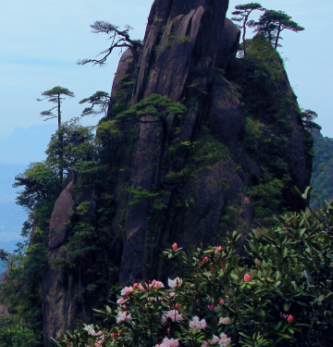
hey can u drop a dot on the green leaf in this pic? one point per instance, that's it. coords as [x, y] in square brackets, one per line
[321, 298]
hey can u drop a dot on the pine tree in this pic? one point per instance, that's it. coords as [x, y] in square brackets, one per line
[272, 23]
[54, 95]
[242, 14]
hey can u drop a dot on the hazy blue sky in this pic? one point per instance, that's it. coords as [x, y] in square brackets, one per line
[42, 40]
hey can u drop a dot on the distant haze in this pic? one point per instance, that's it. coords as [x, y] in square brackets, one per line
[26, 145]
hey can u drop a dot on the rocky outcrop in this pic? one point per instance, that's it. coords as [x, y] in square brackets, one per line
[4, 276]
[181, 38]
[4, 308]
[58, 287]
[188, 47]
[186, 179]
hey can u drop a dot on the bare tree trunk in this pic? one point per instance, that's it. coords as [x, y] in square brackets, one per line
[161, 154]
[61, 140]
[277, 37]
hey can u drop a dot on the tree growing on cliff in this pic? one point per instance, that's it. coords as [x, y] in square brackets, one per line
[55, 96]
[40, 186]
[77, 146]
[272, 23]
[100, 100]
[119, 39]
[242, 15]
[156, 109]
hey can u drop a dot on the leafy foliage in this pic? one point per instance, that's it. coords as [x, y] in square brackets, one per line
[40, 184]
[14, 332]
[261, 81]
[76, 146]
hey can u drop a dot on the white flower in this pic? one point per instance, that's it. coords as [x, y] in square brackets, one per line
[90, 330]
[224, 320]
[122, 315]
[224, 340]
[174, 315]
[196, 324]
[177, 282]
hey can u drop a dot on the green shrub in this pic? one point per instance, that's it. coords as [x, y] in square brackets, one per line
[14, 332]
[274, 290]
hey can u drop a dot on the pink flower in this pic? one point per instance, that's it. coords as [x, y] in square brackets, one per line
[221, 302]
[172, 294]
[168, 343]
[143, 288]
[205, 259]
[247, 277]
[121, 301]
[224, 340]
[175, 246]
[156, 284]
[127, 291]
[100, 341]
[219, 248]
[290, 318]
[135, 285]
[197, 324]
[177, 282]
[174, 315]
[215, 340]
[121, 316]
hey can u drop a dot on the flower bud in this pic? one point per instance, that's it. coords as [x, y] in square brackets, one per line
[290, 318]
[205, 259]
[175, 246]
[114, 336]
[221, 302]
[135, 285]
[247, 278]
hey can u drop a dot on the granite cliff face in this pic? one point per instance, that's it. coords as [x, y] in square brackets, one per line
[189, 178]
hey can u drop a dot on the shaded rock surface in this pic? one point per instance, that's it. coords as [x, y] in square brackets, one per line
[58, 288]
[4, 276]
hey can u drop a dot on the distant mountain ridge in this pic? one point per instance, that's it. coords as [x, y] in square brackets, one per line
[322, 169]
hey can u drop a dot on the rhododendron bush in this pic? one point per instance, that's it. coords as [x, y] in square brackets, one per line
[272, 289]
